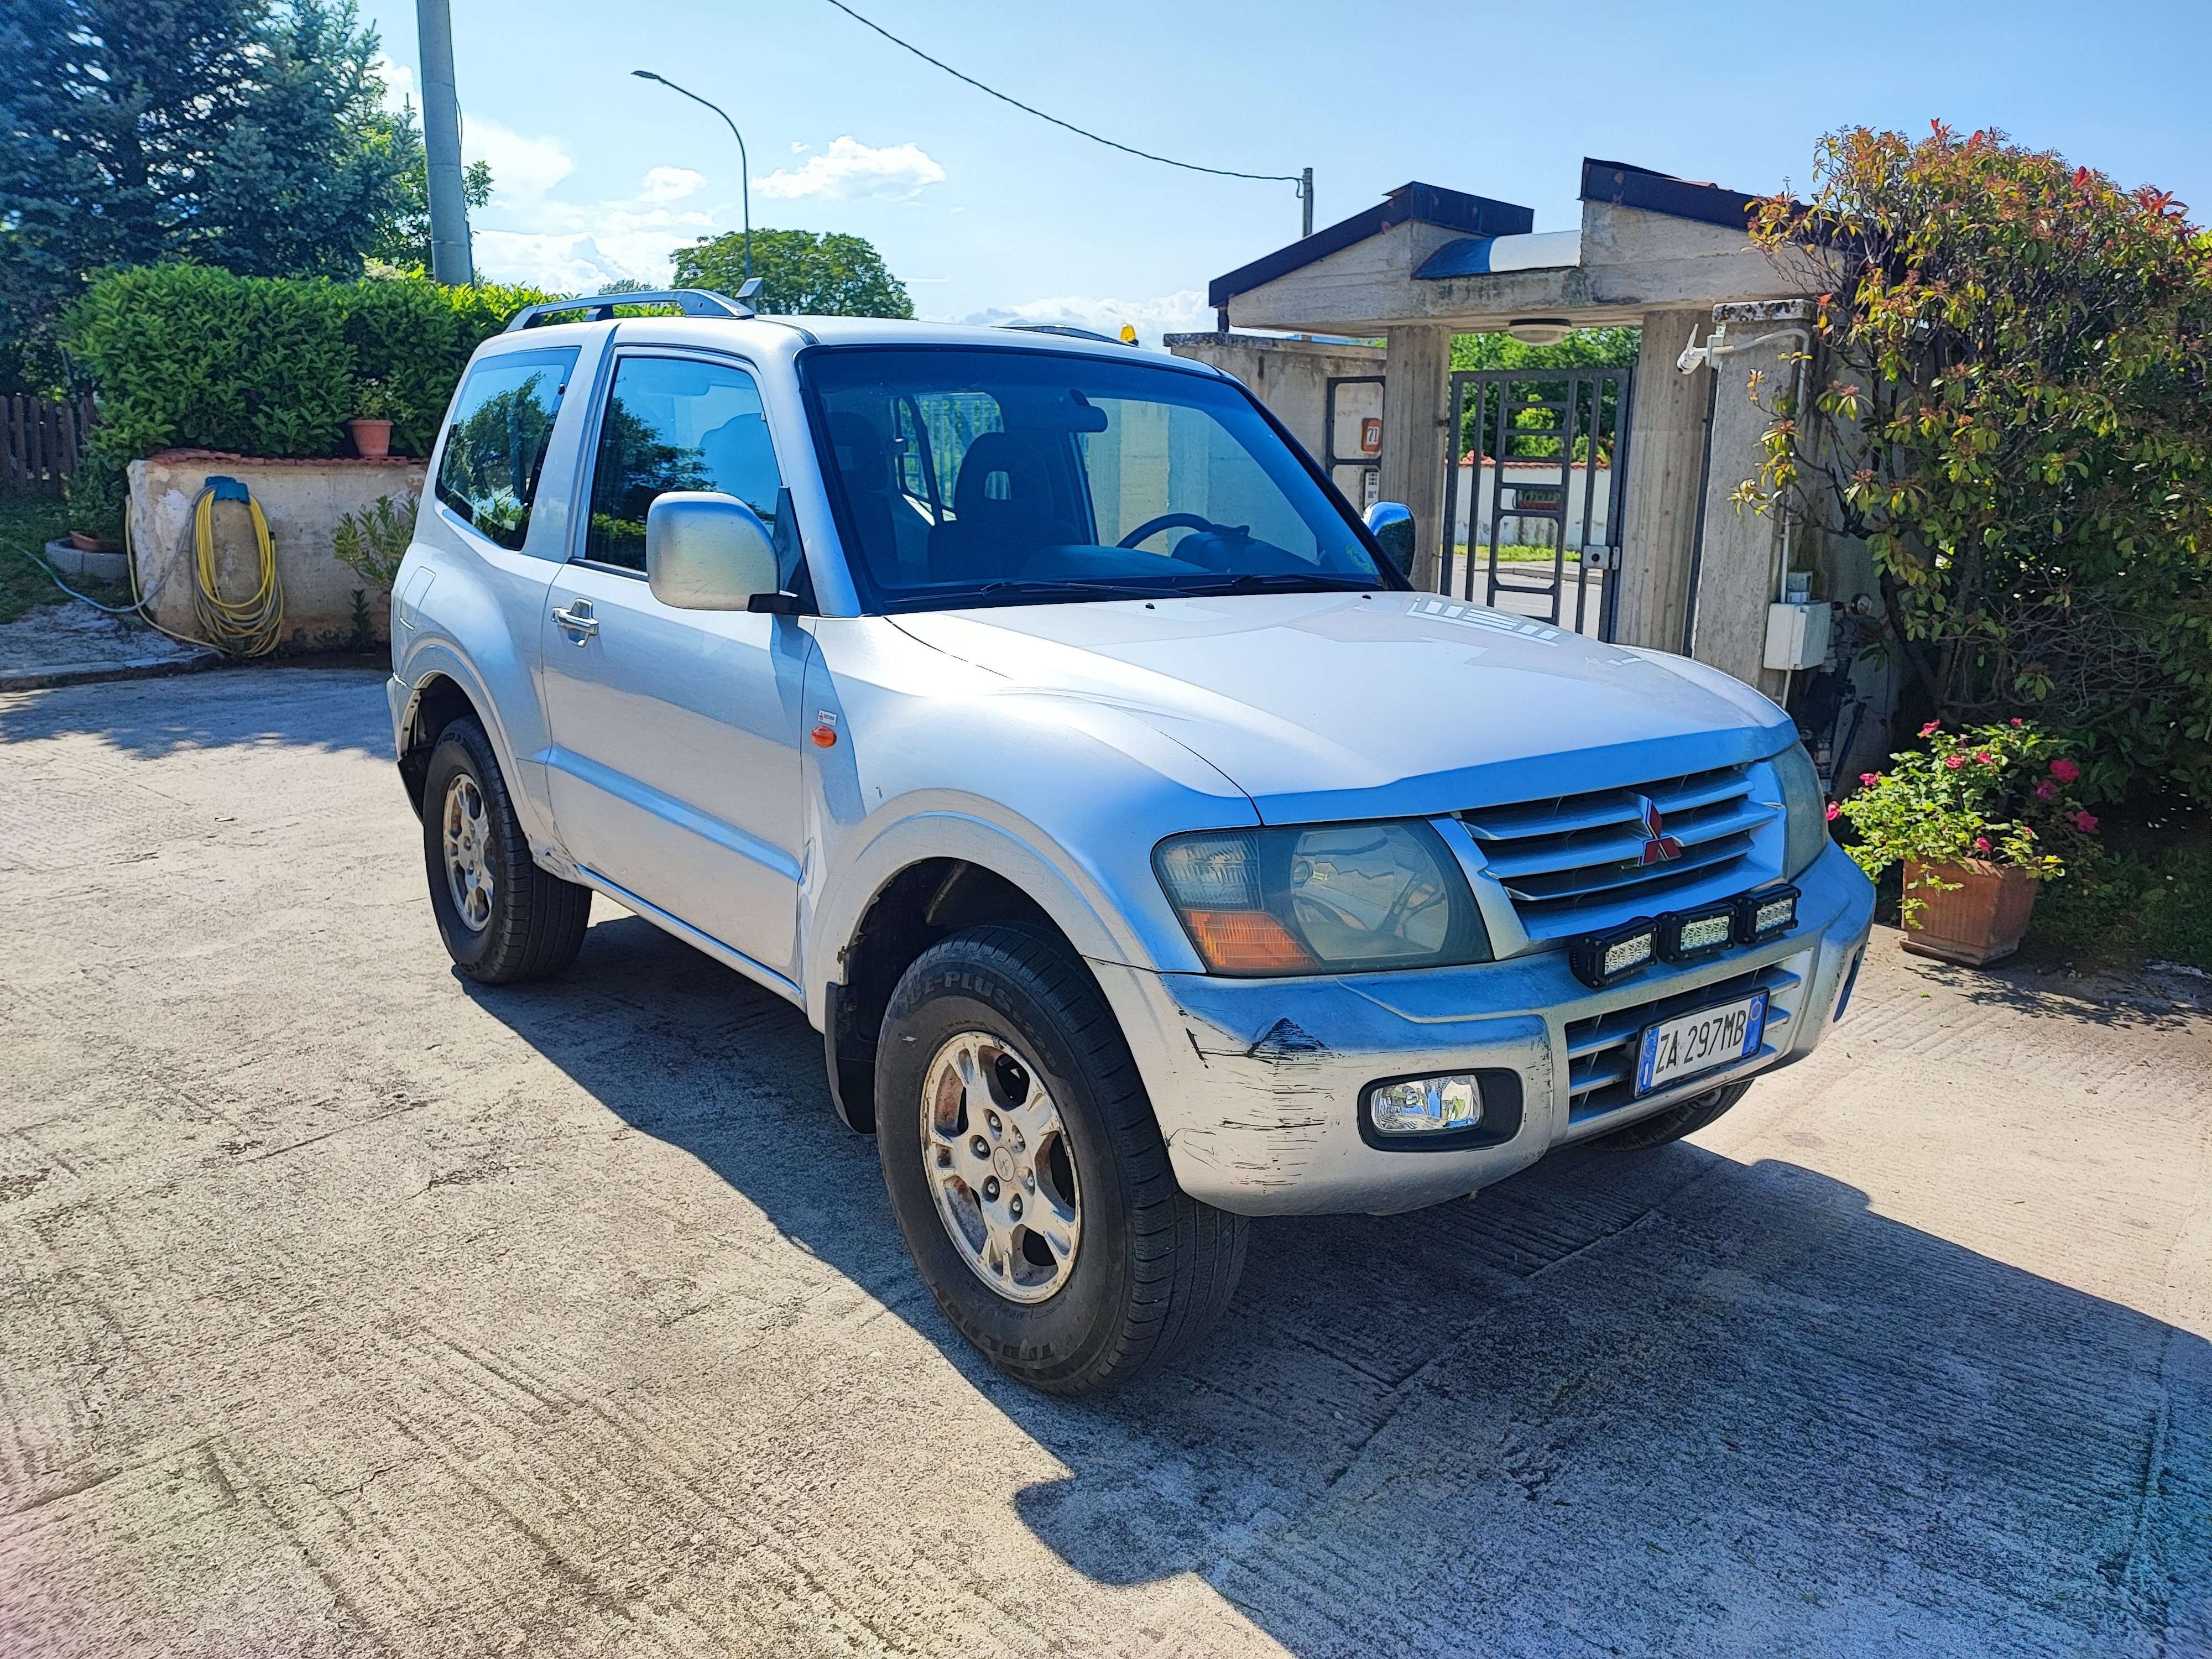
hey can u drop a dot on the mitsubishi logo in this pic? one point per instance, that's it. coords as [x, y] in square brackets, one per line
[1659, 846]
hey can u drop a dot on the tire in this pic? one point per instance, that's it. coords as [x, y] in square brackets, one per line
[520, 923]
[1150, 1269]
[1684, 1118]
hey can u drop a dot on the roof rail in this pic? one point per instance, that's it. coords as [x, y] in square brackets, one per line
[691, 301]
[1070, 333]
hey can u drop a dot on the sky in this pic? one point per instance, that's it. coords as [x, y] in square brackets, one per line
[989, 214]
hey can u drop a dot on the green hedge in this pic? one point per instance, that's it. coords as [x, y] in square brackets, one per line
[187, 356]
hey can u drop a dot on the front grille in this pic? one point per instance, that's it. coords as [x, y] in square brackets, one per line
[1601, 1051]
[1576, 862]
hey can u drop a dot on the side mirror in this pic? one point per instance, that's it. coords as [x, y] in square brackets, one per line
[708, 551]
[1391, 523]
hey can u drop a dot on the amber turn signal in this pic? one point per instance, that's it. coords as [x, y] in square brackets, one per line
[1246, 942]
[825, 736]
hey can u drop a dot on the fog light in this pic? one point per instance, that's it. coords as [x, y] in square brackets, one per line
[1763, 916]
[1426, 1105]
[1598, 959]
[1692, 935]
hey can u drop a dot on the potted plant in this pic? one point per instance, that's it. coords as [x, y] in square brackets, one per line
[371, 424]
[1978, 818]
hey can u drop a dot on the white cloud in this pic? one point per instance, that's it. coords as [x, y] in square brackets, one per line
[1184, 312]
[851, 169]
[399, 81]
[522, 169]
[671, 183]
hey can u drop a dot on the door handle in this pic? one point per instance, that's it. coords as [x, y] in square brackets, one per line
[578, 622]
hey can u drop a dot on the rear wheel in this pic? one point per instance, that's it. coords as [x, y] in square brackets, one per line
[1028, 1174]
[503, 920]
[1685, 1118]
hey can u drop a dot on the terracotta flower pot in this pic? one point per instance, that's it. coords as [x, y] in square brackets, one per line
[1979, 914]
[371, 438]
[85, 543]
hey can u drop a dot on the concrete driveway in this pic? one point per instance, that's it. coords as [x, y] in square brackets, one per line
[345, 1308]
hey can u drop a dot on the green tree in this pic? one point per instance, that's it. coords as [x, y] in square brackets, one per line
[2013, 410]
[1585, 347]
[831, 274]
[246, 134]
[401, 241]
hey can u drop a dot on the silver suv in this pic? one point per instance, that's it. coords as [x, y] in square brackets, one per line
[1032, 713]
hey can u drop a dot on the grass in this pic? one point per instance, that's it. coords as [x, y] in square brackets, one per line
[1518, 554]
[27, 521]
[2129, 907]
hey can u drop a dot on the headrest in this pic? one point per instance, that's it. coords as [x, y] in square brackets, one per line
[1002, 474]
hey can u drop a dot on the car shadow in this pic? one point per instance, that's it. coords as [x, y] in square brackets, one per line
[1666, 1402]
[309, 704]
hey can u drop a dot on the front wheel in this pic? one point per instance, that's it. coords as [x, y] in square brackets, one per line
[1028, 1174]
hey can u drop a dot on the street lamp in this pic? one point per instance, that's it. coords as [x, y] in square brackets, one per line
[745, 168]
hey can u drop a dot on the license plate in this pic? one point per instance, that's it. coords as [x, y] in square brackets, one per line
[1690, 1043]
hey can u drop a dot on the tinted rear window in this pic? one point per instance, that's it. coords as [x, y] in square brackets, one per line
[497, 445]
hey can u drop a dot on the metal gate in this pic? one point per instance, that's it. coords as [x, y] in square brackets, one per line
[1545, 451]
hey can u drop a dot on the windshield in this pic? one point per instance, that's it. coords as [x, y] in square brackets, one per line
[968, 476]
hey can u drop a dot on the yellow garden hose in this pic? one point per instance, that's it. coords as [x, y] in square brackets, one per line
[243, 627]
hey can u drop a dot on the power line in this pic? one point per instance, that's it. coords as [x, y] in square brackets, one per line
[1300, 179]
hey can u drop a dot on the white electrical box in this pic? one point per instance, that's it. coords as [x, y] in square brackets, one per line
[1797, 635]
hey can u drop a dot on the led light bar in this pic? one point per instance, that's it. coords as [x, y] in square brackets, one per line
[1602, 959]
[1693, 935]
[1763, 915]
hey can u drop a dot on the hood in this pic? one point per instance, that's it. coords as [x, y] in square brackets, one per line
[1323, 706]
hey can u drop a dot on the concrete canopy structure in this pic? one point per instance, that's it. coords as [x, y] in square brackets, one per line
[1653, 251]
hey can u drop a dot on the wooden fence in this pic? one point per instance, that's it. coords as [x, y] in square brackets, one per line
[41, 442]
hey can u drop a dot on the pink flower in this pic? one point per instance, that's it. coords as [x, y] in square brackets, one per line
[1931, 728]
[1869, 779]
[1834, 812]
[2015, 719]
[1985, 757]
[2046, 790]
[1955, 762]
[2065, 770]
[1981, 843]
[2085, 822]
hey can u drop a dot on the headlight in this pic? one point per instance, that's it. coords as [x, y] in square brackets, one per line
[1331, 899]
[1805, 828]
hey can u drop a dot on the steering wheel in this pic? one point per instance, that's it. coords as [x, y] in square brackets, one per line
[1166, 521]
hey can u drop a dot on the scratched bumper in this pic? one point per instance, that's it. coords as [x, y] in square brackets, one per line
[1257, 1083]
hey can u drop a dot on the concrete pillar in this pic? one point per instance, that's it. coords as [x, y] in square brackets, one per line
[1739, 565]
[1666, 458]
[1416, 382]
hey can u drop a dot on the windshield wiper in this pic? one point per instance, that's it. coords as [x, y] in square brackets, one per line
[1069, 584]
[1258, 581]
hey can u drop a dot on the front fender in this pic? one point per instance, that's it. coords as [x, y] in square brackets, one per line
[976, 833]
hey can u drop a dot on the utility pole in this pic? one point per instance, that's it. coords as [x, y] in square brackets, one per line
[451, 259]
[1305, 196]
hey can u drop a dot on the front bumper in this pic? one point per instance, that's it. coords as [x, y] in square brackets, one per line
[1257, 1083]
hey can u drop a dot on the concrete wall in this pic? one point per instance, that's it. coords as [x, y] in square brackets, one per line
[302, 500]
[1291, 377]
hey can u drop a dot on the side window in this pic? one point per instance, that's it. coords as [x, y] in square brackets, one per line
[487, 474]
[676, 423]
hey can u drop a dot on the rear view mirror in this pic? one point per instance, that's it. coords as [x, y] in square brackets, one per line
[1391, 523]
[708, 551]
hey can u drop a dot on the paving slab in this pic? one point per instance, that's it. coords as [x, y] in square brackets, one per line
[348, 1308]
[74, 642]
